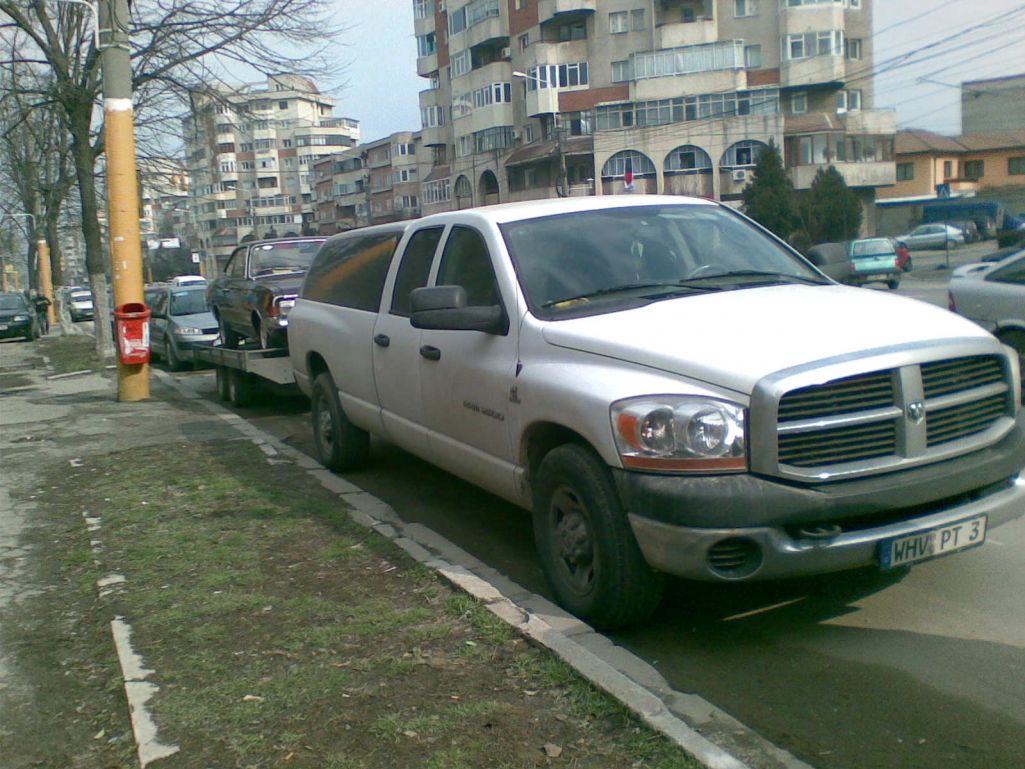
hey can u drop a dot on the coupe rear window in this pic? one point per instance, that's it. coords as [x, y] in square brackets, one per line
[874, 247]
[292, 256]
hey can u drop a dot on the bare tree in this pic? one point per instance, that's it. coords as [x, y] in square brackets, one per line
[178, 46]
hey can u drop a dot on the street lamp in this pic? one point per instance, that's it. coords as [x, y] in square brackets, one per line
[562, 187]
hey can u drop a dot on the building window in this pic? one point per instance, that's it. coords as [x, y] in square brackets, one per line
[423, 8]
[557, 76]
[622, 72]
[753, 56]
[905, 172]
[577, 31]
[619, 22]
[637, 20]
[282, 105]
[948, 169]
[852, 48]
[742, 154]
[1016, 165]
[974, 169]
[798, 103]
[808, 44]
[524, 42]
[685, 60]
[743, 8]
[461, 64]
[854, 99]
[426, 45]
[627, 160]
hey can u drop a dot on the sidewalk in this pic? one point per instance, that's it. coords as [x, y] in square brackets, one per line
[164, 560]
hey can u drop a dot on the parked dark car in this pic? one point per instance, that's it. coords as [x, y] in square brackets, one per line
[180, 319]
[968, 228]
[17, 318]
[833, 260]
[257, 288]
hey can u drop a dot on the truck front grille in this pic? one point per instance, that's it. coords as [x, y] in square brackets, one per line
[893, 417]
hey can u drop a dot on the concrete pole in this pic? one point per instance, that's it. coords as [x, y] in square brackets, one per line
[122, 184]
[45, 281]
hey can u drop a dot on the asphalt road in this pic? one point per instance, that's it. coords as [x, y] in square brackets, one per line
[915, 670]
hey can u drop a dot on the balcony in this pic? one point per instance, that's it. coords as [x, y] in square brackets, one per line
[493, 29]
[878, 174]
[426, 65]
[543, 101]
[798, 19]
[550, 9]
[434, 136]
[814, 70]
[678, 34]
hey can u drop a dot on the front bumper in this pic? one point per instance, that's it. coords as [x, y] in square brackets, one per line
[678, 520]
[10, 329]
[187, 344]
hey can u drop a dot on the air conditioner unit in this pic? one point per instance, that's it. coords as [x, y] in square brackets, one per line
[739, 175]
[506, 53]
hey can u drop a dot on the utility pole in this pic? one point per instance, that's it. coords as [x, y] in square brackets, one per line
[122, 184]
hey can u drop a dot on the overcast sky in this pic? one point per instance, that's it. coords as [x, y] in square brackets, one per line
[383, 85]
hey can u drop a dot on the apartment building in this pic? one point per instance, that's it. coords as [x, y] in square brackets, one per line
[250, 152]
[372, 183]
[995, 104]
[540, 98]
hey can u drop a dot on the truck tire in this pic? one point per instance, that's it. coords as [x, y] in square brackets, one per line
[340, 444]
[223, 389]
[587, 549]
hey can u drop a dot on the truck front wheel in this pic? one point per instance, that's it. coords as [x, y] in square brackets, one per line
[587, 549]
[340, 444]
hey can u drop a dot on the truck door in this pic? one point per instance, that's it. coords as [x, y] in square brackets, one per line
[396, 346]
[466, 376]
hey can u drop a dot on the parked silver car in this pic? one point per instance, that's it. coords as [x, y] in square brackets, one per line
[993, 295]
[933, 236]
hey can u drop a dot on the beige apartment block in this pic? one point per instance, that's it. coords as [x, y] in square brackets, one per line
[531, 99]
[372, 183]
[250, 152]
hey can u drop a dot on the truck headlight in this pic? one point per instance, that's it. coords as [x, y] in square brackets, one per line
[677, 433]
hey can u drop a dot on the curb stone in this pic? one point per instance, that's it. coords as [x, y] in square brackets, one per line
[624, 676]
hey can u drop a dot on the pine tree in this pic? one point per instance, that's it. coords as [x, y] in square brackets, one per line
[830, 210]
[769, 198]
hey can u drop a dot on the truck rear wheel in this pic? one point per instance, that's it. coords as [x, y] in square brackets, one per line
[340, 444]
[587, 549]
[229, 338]
[240, 388]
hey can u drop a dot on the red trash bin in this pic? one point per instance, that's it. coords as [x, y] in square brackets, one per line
[131, 330]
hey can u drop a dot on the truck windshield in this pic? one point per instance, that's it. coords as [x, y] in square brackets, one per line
[601, 261]
[291, 256]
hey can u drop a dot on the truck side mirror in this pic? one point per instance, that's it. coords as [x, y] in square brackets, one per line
[444, 308]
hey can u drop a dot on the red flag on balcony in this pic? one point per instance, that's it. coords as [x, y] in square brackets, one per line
[628, 176]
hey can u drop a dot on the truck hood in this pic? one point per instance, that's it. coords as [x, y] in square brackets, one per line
[734, 338]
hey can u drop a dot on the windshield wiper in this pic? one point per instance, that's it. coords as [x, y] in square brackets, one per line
[772, 277]
[670, 288]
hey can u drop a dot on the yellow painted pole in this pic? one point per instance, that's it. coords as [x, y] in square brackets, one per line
[45, 281]
[122, 187]
[3, 280]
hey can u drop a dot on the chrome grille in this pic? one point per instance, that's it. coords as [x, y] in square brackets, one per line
[955, 422]
[910, 414]
[843, 396]
[947, 376]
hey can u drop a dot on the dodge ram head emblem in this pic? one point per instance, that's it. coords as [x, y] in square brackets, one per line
[916, 411]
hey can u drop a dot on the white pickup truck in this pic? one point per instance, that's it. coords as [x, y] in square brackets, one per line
[669, 389]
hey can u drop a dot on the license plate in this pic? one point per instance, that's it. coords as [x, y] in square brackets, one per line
[932, 543]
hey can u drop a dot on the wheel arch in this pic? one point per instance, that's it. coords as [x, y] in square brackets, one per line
[540, 438]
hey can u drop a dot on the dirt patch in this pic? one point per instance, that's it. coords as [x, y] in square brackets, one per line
[71, 353]
[282, 635]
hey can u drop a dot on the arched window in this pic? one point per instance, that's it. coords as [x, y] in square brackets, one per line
[464, 193]
[628, 160]
[688, 159]
[742, 155]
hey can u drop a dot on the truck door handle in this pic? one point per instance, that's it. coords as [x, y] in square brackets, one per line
[382, 340]
[430, 352]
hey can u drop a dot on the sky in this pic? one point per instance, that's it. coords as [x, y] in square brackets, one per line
[382, 83]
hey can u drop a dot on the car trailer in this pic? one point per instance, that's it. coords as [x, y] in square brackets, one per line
[241, 372]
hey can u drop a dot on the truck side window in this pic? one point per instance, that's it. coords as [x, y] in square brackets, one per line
[350, 271]
[415, 267]
[466, 263]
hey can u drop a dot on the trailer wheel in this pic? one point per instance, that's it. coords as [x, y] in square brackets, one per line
[223, 390]
[240, 388]
[340, 444]
[587, 549]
